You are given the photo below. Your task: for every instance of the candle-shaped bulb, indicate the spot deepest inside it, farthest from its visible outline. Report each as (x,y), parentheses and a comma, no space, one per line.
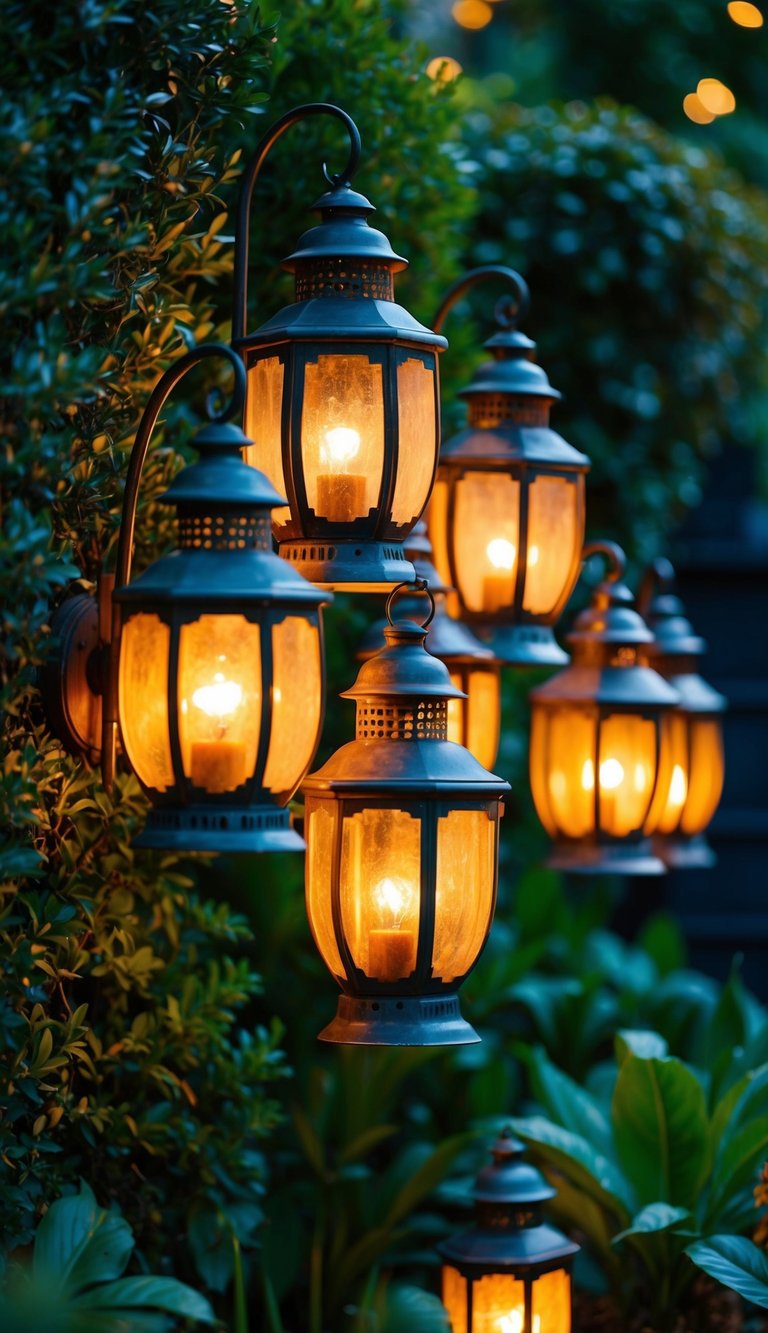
(501,553)
(394,898)
(339,446)
(219,699)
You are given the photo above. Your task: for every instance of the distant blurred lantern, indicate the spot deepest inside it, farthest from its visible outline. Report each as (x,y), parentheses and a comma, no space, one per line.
(402,854)
(472,14)
(745,14)
(215,656)
(475,720)
(685,808)
(716,97)
(342,396)
(696,111)
(511,1273)
(507,514)
(444,69)
(599,744)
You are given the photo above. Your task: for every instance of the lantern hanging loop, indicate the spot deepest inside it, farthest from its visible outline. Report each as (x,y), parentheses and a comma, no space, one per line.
(614,556)
(658,577)
(157,399)
(508,309)
(408,589)
(248,182)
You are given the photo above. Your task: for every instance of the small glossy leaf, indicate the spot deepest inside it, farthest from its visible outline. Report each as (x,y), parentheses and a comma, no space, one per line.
(737,1263)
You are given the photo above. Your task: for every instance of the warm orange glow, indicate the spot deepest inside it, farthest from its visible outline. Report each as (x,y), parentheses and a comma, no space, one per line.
(144,649)
(696,111)
(475,722)
(342,436)
(746,15)
(555,536)
(263,425)
(320,827)
(715,97)
(417,440)
(466,849)
(486,539)
(688,798)
(444,69)
(297,696)
(219,691)
(498,1303)
(472,14)
(380,891)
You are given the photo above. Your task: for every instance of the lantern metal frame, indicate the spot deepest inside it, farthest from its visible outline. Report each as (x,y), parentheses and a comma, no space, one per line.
(521,445)
(607,678)
(345,306)
(675,653)
(510,1237)
(402,761)
(214,571)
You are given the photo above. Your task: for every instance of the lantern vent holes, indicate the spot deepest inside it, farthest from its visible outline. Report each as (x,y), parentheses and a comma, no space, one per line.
(324,277)
(422,720)
(487,410)
(224,532)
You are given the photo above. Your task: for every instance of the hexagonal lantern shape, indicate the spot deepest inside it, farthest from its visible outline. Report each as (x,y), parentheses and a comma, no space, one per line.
(402,855)
(599,741)
(506,518)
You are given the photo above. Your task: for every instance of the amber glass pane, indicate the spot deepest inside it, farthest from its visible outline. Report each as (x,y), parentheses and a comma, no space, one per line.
(485,536)
(498,1305)
(342,436)
(264,425)
(320,831)
(455,1299)
(219,700)
(707,774)
(466,845)
(145,644)
(562,770)
(627,772)
(552,1302)
(297,687)
(555,537)
(538,768)
(380,891)
(417,447)
(484,710)
(672,786)
(437,524)
(457,710)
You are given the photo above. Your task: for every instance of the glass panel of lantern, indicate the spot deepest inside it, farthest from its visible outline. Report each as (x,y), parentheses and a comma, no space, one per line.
(685,806)
(511,1272)
(221,669)
(402,859)
(507,514)
(600,743)
(474,720)
(343,404)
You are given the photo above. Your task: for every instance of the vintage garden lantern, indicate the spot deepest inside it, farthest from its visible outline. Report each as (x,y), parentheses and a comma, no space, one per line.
(507,514)
(402,854)
(599,743)
(511,1272)
(474,721)
(682,813)
(214,663)
(342,401)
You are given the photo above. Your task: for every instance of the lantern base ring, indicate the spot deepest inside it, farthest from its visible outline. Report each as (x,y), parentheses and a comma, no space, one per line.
(578,858)
(205,828)
(681,853)
(353,566)
(526,645)
(399,1020)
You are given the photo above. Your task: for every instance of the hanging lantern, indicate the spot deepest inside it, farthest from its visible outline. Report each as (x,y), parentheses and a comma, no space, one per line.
(402,854)
(474,721)
(342,390)
(599,738)
(685,808)
(511,1273)
(507,515)
(214,660)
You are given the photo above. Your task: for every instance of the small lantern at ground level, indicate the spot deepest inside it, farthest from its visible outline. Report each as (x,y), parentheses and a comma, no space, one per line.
(511,1273)
(683,812)
(342,400)
(402,855)
(599,738)
(474,720)
(507,514)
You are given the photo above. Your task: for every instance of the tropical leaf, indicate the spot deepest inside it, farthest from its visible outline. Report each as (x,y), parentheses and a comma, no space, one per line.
(661,1130)
(736,1262)
(654,1217)
(147,1293)
(569,1104)
(588,1169)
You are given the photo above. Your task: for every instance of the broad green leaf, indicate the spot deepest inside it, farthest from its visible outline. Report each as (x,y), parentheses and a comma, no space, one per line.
(147,1293)
(646,1045)
(745,1100)
(570,1105)
(654,1217)
(66,1228)
(425,1178)
(736,1164)
(411,1308)
(661,1130)
(588,1169)
(737,1263)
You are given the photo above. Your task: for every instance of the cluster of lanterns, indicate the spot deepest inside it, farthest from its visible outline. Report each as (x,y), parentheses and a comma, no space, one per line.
(213,672)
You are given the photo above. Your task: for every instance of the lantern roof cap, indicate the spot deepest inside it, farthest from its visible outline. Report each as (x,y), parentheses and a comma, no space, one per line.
(344,233)
(673,633)
(610,617)
(404,668)
(220,476)
(513,369)
(509,1178)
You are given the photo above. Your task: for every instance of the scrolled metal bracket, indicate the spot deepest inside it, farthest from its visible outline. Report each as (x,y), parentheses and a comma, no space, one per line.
(508,309)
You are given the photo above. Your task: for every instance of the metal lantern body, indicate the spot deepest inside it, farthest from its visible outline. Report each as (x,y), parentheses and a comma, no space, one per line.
(221,666)
(511,1273)
(343,404)
(599,740)
(402,855)
(474,720)
(685,808)
(507,514)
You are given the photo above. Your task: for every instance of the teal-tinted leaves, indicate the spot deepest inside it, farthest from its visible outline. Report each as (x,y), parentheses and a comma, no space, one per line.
(661,1130)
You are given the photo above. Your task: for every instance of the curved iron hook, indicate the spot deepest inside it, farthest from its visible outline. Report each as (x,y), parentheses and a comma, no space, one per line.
(613,554)
(419,585)
(250,176)
(506,312)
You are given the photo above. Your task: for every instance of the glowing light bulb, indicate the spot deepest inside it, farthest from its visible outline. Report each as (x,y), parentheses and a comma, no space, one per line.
(219,699)
(394,896)
(678,787)
(340,445)
(611,774)
(513,1323)
(533,556)
(501,553)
